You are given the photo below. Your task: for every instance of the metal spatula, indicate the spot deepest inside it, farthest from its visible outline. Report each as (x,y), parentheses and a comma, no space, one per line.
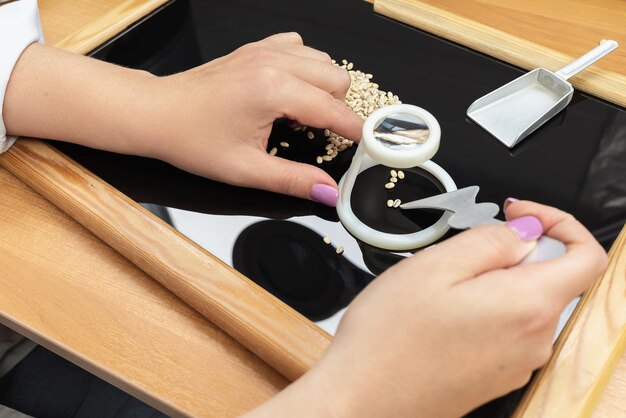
(516,109)
(468,214)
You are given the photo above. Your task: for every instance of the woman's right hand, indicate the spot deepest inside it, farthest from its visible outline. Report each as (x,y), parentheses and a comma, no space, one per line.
(454,326)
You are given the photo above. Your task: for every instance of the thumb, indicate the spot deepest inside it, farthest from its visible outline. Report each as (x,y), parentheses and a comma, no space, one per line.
(482,249)
(291,178)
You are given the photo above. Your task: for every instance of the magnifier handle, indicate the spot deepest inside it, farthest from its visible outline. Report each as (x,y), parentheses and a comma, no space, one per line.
(547,249)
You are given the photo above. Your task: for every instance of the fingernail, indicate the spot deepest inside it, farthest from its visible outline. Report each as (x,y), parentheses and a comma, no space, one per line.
(528,228)
(508,201)
(325,194)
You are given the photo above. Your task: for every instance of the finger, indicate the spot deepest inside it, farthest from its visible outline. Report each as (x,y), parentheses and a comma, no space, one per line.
(323,75)
(307,52)
(570,275)
(472,253)
(551,217)
(291,178)
(311,106)
(286,38)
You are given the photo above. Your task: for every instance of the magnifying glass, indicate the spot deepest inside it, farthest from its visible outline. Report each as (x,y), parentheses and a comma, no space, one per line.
(399,136)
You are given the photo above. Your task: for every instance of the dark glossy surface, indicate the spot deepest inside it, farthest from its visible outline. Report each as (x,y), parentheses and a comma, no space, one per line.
(576,162)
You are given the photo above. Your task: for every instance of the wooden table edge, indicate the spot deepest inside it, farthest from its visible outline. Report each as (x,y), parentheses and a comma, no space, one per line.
(282,337)
(92,367)
(109,25)
(605,84)
(582,367)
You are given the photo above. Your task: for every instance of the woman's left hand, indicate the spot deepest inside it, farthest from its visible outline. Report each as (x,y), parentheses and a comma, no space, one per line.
(215,120)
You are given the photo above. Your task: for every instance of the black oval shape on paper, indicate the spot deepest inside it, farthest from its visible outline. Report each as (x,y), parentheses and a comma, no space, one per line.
(293,263)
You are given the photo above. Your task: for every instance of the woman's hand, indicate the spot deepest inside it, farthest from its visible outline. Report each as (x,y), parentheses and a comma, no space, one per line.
(215,120)
(452,327)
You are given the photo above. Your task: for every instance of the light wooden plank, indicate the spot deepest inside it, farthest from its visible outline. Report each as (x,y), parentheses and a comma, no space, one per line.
(279,335)
(567,26)
(588,351)
(67,290)
(611,402)
(61,18)
(81,26)
(499,43)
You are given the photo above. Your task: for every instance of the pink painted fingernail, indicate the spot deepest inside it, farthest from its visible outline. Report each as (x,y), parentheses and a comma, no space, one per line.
(325,194)
(528,228)
(508,201)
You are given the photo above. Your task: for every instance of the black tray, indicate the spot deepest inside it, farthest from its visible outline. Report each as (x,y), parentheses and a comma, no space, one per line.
(575,162)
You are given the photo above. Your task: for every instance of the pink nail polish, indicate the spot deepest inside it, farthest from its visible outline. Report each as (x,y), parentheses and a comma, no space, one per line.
(528,228)
(325,194)
(508,201)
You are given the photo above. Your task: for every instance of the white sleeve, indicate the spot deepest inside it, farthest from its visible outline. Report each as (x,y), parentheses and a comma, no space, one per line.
(19,27)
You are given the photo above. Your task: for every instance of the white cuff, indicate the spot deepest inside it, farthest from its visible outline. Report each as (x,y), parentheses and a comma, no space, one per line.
(19,27)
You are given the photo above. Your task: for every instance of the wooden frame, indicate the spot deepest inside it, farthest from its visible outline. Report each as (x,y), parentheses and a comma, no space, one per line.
(89,304)
(588,350)
(502,44)
(269,328)
(281,337)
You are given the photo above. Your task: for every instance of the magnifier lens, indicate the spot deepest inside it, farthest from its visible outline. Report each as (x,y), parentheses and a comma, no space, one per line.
(402,132)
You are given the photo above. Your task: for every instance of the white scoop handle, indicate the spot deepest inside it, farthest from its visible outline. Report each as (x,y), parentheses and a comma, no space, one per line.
(586,60)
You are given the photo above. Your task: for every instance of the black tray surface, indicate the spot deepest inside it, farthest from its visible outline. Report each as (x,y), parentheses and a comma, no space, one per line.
(576,161)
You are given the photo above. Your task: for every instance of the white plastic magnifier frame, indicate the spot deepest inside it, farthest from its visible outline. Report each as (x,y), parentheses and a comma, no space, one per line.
(372,152)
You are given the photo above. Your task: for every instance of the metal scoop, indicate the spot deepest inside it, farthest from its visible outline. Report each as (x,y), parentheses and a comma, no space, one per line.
(516,109)
(468,214)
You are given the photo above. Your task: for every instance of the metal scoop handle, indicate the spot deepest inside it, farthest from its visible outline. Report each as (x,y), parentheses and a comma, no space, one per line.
(586,60)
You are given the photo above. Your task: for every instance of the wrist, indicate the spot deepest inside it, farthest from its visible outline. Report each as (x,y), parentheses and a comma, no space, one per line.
(310,396)
(162,103)
(144,125)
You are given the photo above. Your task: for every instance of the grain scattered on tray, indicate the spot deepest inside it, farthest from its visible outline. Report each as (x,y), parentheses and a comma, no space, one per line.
(319,160)
(393,179)
(390,186)
(339,250)
(273,151)
(393,173)
(284,144)
(397,203)
(327,240)
(401,175)
(310,135)
(390,203)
